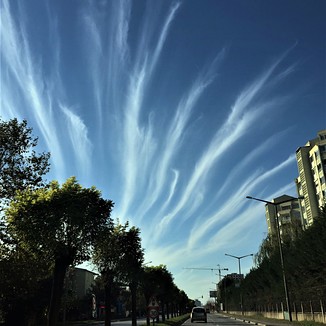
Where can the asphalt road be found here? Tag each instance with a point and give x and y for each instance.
(212, 319)
(217, 320)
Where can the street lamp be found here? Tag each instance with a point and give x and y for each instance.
(274, 204)
(239, 258)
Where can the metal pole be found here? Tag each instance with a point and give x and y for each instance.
(239, 264)
(239, 268)
(287, 299)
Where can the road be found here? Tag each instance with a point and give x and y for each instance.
(212, 319)
(217, 320)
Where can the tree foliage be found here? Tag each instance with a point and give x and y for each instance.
(25, 285)
(158, 282)
(305, 270)
(20, 165)
(59, 223)
(118, 256)
(24, 276)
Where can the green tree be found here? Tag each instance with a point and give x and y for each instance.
(20, 165)
(106, 258)
(305, 269)
(20, 168)
(118, 256)
(25, 285)
(132, 258)
(61, 224)
(157, 281)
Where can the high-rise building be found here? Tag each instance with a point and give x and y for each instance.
(289, 216)
(311, 184)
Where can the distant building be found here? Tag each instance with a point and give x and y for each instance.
(235, 276)
(289, 216)
(83, 281)
(311, 184)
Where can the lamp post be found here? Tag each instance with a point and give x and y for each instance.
(239, 258)
(287, 299)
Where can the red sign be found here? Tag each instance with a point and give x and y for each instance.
(153, 313)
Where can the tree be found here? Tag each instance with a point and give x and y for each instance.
(20, 165)
(305, 268)
(118, 256)
(132, 258)
(106, 257)
(61, 224)
(157, 281)
(20, 168)
(25, 285)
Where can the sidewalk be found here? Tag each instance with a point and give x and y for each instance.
(262, 321)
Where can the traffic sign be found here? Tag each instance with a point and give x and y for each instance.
(153, 313)
(153, 308)
(153, 302)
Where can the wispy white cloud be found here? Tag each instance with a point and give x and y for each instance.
(80, 142)
(138, 139)
(228, 224)
(27, 74)
(244, 113)
(106, 28)
(231, 207)
(175, 133)
(249, 159)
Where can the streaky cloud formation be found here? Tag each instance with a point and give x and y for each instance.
(175, 110)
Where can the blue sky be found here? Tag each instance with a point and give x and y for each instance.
(174, 110)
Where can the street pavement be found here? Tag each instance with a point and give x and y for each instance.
(213, 318)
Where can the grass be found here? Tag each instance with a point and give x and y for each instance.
(175, 321)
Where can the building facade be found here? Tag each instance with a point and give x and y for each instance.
(311, 184)
(82, 281)
(289, 216)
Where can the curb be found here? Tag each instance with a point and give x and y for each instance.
(249, 321)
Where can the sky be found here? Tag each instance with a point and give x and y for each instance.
(174, 110)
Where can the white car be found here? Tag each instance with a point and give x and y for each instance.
(198, 314)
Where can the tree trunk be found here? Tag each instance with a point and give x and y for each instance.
(133, 288)
(108, 290)
(163, 310)
(60, 268)
(148, 321)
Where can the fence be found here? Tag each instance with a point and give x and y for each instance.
(310, 311)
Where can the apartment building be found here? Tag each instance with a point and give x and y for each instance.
(82, 281)
(289, 216)
(311, 184)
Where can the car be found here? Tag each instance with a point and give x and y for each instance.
(198, 314)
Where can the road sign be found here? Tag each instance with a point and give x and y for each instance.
(153, 313)
(153, 308)
(152, 302)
